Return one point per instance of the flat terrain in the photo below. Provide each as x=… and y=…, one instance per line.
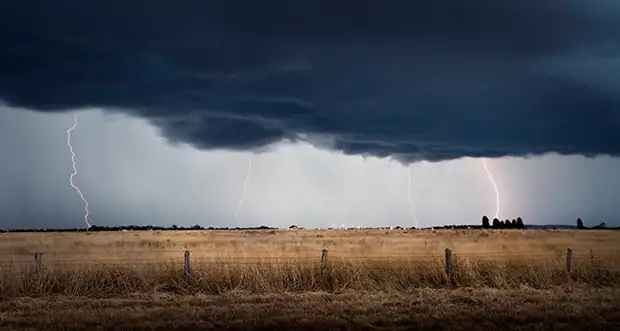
x=304, y=243
x=261, y=280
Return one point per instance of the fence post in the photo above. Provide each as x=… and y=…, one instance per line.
x=569, y=261
x=186, y=267
x=449, y=263
x=324, y=261
x=37, y=260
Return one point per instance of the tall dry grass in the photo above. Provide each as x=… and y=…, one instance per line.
x=115, y=280
x=117, y=264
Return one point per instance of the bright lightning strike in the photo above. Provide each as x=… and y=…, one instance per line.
x=410, y=198
x=245, y=188
x=486, y=168
x=86, y=213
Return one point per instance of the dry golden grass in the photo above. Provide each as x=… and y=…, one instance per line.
x=251, y=268
x=107, y=264
x=274, y=243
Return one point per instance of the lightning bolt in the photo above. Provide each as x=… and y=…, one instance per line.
x=245, y=188
x=86, y=213
x=486, y=168
x=411, y=211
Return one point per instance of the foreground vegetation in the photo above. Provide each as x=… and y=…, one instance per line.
x=416, y=309
x=374, y=280
x=109, y=280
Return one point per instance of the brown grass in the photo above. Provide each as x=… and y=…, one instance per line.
x=286, y=264
x=416, y=309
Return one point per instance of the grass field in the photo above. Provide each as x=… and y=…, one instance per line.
x=375, y=280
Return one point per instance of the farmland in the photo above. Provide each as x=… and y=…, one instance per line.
x=372, y=279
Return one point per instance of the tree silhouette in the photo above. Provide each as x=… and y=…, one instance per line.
x=520, y=224
x=495, y=223
x=513, y=224
x=580, y=224
x=485, y=222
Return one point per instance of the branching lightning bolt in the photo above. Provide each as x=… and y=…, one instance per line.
x=86, y=213
x=486, y=168
x=411, y=211
x=245, y=188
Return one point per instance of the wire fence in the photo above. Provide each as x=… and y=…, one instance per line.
x=187, y=258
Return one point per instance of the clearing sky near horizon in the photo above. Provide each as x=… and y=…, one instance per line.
x=531, y=86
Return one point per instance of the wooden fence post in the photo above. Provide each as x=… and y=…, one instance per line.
x=449, y=263
x=569, y=261
x=37, y=260
x=186, y=267
x=324, y=261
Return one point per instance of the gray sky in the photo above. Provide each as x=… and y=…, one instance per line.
x=131, y=175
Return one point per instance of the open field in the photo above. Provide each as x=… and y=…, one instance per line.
x=308, y=243
x=272, y=261
x=374, y=280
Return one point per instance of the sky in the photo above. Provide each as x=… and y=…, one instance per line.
x=333, y=100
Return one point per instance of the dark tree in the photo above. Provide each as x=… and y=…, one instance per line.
x=485, y=222
x=580, y=224
x=514, y=224
x=495, y=223
x=520, y=224
x=507, y=224
x=502, y=225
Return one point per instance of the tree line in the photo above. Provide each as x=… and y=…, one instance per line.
x=486, y=224
x=518, y=224
x=601, y=226
x=498, y=224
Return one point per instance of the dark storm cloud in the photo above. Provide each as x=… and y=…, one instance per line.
x=428, y=80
